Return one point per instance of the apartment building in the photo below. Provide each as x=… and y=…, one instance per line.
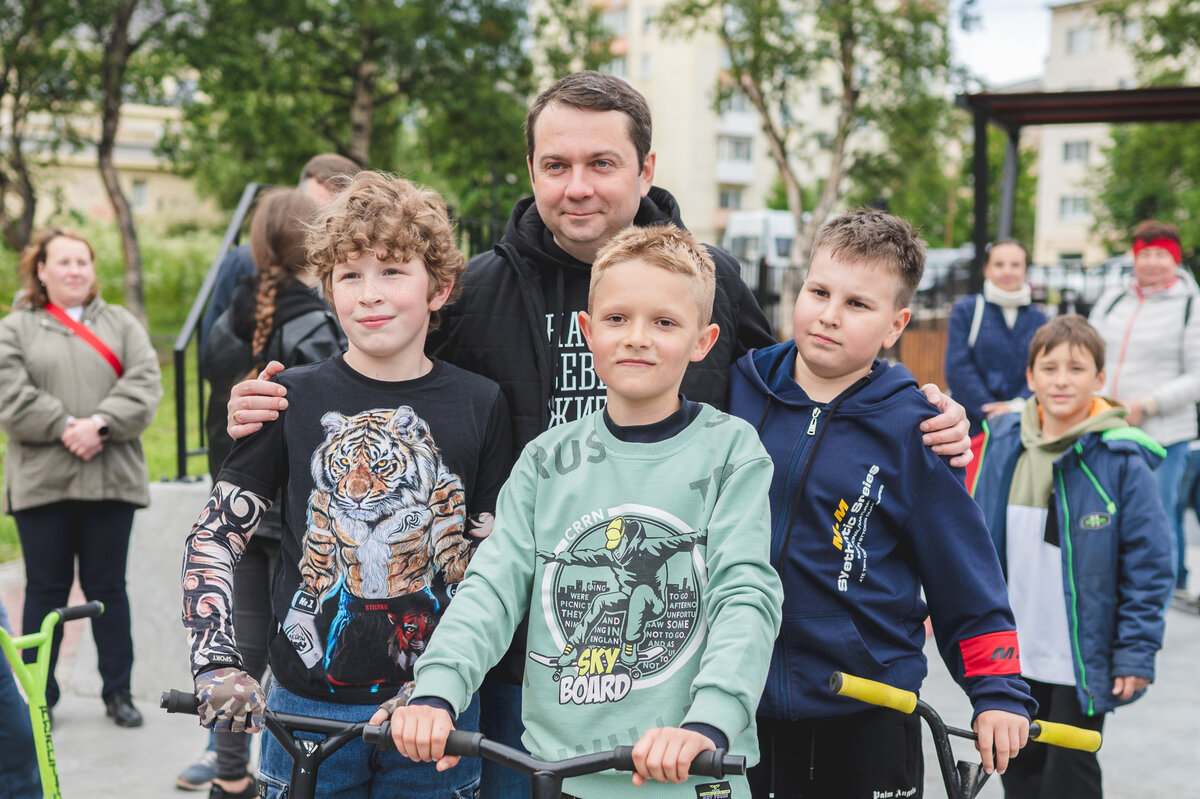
x=1085, y=53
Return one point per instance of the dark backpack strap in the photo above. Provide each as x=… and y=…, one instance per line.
x=1113, y=304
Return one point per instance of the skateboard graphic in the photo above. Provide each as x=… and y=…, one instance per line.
x=552, y=661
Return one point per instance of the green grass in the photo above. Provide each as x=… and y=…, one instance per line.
x=174, y=267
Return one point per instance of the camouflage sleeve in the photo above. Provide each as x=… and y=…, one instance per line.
x=216, y=542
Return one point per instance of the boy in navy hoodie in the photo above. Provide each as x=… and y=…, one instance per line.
x=863, y=518
x=1067, y=488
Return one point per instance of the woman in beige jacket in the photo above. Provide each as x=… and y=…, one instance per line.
x=79, y=382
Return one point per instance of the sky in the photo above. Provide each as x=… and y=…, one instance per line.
x=1009, y=43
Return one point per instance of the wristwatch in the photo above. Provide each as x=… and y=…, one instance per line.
x=101, y=425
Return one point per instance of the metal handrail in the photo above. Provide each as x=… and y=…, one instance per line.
x=228, y=241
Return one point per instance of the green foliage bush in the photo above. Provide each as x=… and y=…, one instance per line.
x=175, y=266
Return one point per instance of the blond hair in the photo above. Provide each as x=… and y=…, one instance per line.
x=33, y=290
x=395, y=220
x=665, y=246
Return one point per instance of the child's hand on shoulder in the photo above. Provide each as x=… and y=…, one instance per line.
x=665, y=754
x=1126, y=686
x=1006, y=732
x=420, y=732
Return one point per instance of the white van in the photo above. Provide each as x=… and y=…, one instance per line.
x=751, y=234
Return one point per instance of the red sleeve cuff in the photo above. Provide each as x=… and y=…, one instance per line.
x=993, y=653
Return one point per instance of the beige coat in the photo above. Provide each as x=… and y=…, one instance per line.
x=47, y=374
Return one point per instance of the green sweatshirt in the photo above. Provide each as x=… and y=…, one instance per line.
x=652, y=602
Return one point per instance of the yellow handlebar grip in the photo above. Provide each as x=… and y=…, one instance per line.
x=1064, y=735
x=871, y=692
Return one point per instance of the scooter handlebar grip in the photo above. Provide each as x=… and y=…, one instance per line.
x=463, y=743
x=85, y=611
x=379, y=735
x=715, y=763
x=709, y=763
x=179, y=702
x=1064, y=735
x=873, y=693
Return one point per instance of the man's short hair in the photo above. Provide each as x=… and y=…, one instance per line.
x=395, y=220
x=329, y=169
x=1152, y=229
x=881, y=240
x=596, y=91
x=665, y=246
x=1072, y=330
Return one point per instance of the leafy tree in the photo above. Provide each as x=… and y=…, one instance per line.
x=884, y=56
x=280, y=80
x=115, y=65
x=1150, y=170
x=36, y=89
x=571, y=36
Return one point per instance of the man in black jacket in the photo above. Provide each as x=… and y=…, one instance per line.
x=592, y=170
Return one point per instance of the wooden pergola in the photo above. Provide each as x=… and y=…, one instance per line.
x=1012, y=112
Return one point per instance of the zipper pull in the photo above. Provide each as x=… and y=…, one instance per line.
x=812, y=424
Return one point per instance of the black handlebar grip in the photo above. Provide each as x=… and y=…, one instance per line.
x=463, y=743
x=623, y=758
x=179, y=702
x=379, y=735
x=715, y=763
x=87, y=610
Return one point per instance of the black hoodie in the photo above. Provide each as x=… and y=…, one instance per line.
x=527, y=285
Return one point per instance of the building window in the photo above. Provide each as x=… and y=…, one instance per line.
x=1076, y=152
x=647, y=66
x=139, y=197
x=736, y=102
x=1072, y=208
x=1132, y=31
x=730, y=199
x=616, y=22
x=733, y=148
x=1073, y=259
x=617, y=67
x=1081, y=40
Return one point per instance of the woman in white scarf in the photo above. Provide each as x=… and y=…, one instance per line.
x=988, y=342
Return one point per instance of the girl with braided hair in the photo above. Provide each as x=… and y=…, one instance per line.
x=279, y=317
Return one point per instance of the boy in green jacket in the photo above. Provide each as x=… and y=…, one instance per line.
x=637, y=538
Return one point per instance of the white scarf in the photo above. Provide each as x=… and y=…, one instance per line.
x=1009, y=301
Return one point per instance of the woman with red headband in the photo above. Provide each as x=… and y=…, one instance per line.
x=1152, y=332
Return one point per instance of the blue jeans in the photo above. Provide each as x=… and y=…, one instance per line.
x=1170, y=477
x=500, y=721
x=357, y=771
x=18, y=760
x=1189, y=497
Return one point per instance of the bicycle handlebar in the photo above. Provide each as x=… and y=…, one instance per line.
x=1064, y=735
x=86, y=611
x=877, y=693
x=709, y=763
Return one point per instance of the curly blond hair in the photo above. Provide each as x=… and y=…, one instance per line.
x=395, y=220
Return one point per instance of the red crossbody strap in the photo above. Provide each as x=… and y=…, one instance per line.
x=87, y=335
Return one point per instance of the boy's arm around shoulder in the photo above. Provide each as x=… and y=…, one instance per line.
x=742, y=600
x=490, y=602
x=1145, y=572
x=966, y=592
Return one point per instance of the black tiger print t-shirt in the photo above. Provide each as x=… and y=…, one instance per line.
x=388, y=488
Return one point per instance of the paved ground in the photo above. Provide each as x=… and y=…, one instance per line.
x=1151, y=750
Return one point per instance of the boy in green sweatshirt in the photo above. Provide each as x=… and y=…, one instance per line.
x=637, y=538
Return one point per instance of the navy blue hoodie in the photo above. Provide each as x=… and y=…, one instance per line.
x=863, y=517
